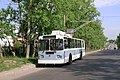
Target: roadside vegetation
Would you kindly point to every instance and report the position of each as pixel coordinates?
(8, 63)
(33, 18)
(118, 41)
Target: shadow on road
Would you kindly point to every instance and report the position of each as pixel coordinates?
(34, 61)
(49, 65)
(52, 65)
(104, 65)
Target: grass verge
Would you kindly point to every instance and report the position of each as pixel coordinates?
(91, 50)
(8, 63)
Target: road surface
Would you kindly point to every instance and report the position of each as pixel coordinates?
(103, 65)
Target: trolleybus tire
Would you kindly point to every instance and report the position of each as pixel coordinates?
(80, 56)
(70, 59)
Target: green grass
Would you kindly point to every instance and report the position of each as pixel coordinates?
(91, 50)
(8, 63)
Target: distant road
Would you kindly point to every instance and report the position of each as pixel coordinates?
(112, 46)
(103, 65)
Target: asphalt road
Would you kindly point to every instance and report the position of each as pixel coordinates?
(103, 65)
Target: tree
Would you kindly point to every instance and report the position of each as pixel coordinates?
(6, 27)
(111, 41)
(43, 16)
(118, 41)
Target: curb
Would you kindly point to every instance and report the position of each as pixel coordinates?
(87, 53)
(25, 70)
(19, 72)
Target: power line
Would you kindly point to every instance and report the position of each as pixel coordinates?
(112, 16)
(109, 16)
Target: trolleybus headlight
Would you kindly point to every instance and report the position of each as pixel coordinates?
(59, 56)
(42, 56)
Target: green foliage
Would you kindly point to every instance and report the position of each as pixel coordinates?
(38, 17)
(111, 41)
(118, 41)
(5, 22)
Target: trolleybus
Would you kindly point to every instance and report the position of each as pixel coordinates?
(60, 48)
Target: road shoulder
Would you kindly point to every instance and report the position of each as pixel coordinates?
(24, 70)
(19, 72)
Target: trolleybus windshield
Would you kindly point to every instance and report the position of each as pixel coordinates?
(51, 44)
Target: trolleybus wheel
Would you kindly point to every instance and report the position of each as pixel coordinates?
(70, 59)
(80, 56)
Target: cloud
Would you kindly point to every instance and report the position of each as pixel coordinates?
(106, 3)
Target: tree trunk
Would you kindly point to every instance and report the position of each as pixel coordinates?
(28, 39)
(20, 31)
(27, 50)
(1, 55)
(28, 32)
(34, 49)
(65, 26)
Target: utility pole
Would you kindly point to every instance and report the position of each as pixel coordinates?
(65, 27)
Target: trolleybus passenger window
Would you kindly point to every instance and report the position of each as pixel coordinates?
(72, 43)
(75, 45)
(66, 43)
(78, 43)
(82, 44)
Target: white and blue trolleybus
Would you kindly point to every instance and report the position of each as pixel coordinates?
(60, 48)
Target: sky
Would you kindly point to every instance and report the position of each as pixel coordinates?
(110, 15)
(4, 3)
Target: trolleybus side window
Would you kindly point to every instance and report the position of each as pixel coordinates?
(78, 44)
(72, 44)
(66, 43)
(75, 43)
(82, 44)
